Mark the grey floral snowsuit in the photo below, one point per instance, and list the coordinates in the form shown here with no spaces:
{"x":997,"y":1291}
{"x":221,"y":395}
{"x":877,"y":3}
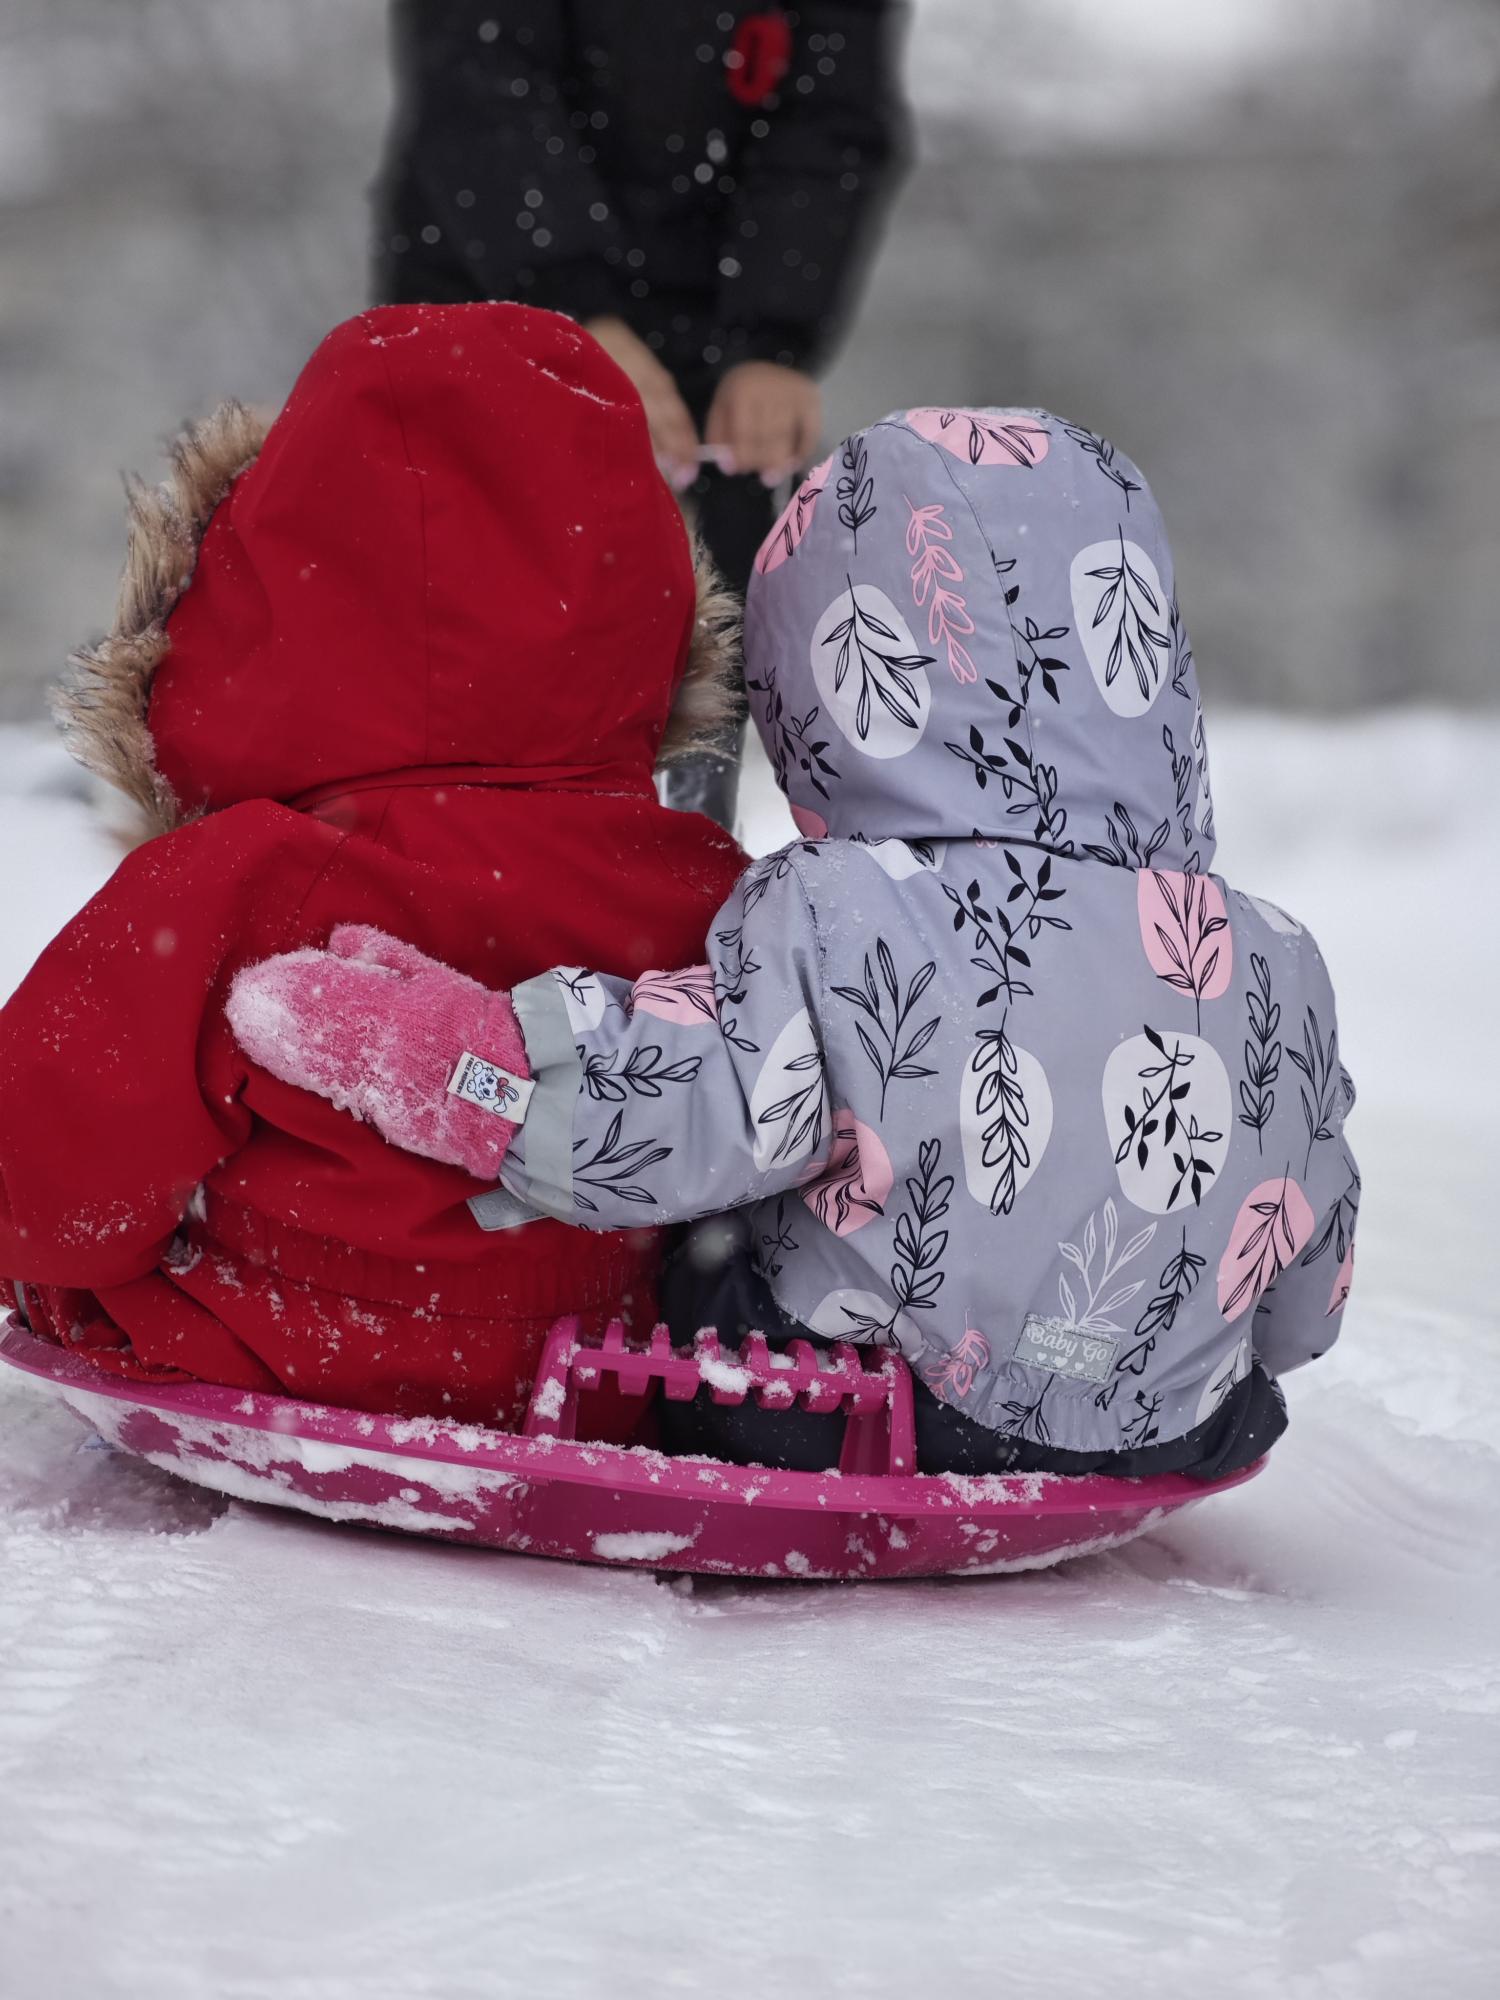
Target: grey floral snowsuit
{"x":1012,"y":1080}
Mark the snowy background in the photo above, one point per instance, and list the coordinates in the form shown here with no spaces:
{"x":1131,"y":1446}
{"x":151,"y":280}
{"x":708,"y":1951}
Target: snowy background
{"x":1257,"y":242}
{"x":1258,"y":1753}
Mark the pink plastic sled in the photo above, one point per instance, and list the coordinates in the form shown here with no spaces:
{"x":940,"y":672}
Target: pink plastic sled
{"x":547,"y":1491}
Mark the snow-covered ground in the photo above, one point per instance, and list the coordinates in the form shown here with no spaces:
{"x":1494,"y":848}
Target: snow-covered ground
{"x":245,"y":1754}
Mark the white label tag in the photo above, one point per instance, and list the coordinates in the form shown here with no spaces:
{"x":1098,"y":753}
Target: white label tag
{"x":479,"y":1081}
{"x":1065,"y":1349}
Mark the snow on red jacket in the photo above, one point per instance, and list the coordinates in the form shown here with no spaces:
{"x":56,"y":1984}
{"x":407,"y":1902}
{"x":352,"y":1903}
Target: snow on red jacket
{"x":437,"y":628}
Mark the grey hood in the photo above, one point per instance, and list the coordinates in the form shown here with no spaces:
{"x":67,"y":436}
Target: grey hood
{"x":981,"y":611}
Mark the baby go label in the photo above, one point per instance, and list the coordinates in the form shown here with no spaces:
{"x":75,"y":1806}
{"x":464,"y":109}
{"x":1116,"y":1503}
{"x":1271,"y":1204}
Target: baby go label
{"x":1066,"y":1350}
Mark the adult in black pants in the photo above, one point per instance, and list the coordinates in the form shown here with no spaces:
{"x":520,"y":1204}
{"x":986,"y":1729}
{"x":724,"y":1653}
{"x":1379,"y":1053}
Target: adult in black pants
{"x":695,"y":182}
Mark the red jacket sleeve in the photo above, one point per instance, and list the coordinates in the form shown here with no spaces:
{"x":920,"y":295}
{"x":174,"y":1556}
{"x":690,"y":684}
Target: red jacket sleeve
{"x":119,"y":1079}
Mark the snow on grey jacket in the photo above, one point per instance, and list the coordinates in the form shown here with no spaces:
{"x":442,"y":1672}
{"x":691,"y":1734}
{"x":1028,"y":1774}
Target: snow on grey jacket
{"x":1012,"y":1080}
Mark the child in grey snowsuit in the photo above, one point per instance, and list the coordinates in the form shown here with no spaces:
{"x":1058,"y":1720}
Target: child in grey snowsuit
{"x":989,"y":1065}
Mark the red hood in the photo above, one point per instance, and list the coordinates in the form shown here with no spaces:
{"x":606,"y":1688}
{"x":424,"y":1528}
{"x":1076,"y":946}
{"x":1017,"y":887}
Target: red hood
{"x":453,"y":548}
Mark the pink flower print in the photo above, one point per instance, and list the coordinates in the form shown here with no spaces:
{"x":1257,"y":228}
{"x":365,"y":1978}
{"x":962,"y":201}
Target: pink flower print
{"x":793,"y":521}
{"x":933,"y":571}
{"x":1273,"y":1224}
{"x":808,"y":823}
{"x":851,"y":1187}
{"x":984,"y":437}
{"x":1185,"y":930}
{"x":953,"y":1378}
{"x":684,"y":998}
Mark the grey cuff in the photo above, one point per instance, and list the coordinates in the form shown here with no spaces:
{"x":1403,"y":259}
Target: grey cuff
{"x":536,"y":1177}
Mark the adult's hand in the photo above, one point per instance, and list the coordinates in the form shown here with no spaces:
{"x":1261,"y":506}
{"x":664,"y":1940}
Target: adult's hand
{"x":767,"y":417}
{"x":673,"y":432}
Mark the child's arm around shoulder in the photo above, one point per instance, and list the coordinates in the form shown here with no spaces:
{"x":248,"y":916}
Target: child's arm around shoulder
{"x":681,"y":1092}
{"x":609,"y":1102}
{"x":118,"y":1081}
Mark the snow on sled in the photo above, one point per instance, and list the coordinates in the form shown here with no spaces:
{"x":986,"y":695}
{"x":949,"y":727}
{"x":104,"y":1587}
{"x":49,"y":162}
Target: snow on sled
{"x":551,"y":1490}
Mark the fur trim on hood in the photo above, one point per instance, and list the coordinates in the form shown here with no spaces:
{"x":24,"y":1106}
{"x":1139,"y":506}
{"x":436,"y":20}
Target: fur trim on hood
{"x":101,"y":707}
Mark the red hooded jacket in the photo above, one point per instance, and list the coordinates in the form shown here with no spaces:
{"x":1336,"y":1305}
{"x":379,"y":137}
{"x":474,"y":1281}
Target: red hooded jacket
{"x":418,"y":676}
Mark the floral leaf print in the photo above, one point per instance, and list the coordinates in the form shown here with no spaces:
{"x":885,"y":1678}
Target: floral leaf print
{"x":794,"y":741}
{"x":1319,"y":1064}
{"x":1028,"y":785}
{"x":1343,"y":1281}
{"x":916,"y":1275}
{"x":1182,"y":653}
{"x":891,"y":1040}
{"x":1005,"y":1119}
{"x":1119,"y":608}
{"x":788,"y":1105}
{"x":1125,"y":848}
{"x":953,"y":1377}
{"x":1273,"y":1224}
{"x":1001,"y":935}
{"x":1180,"y":1274}
{"x":984,"y":437}
{"x":793,"y":521}
{"x":760,"y":875}
{"x":1103,"y":454}
{"x":870,"y":673}
{"x":851,"y":1188}
{"x":642,"y":1075}
{"x":583,"y":997}
{"x":1032,"y":663}
{"x":1166,"y":1109}
{"x":1262,"y":1052}
{"x":776,"y":1244}
{"x":608,"y":1168}
{"x":1141,"y":1427}
{"x":1200,"y":759}
{"x":1021,"y":1419}
{"x":856,"y":489}
{"x":1338,"y":1230}
{"x":1337,"y":1233}
{"x":684,"y":998}
{"x":1183,"y":773}
{"x":1185,"y":931}
{"x":934,"y":570}
{"x":1089,"y":1305}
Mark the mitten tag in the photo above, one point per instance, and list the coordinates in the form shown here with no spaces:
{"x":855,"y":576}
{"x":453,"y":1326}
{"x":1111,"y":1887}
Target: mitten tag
{"x":479,"y":1081}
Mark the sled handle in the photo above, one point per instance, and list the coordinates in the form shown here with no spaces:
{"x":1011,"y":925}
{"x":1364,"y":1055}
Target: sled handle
{"x":876,"y":1399}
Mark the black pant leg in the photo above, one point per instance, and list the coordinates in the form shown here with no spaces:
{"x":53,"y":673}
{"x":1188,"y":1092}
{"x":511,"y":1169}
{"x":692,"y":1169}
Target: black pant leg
{"x":711,"y":1280}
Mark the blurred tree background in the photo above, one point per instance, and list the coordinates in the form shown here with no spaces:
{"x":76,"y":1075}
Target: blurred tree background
{"x":1255,"y":242}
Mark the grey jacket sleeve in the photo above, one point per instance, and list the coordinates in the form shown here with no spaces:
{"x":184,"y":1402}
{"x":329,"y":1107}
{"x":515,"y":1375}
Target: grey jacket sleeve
{"x":680,"y":1093}
{"x":1298,"y":1318}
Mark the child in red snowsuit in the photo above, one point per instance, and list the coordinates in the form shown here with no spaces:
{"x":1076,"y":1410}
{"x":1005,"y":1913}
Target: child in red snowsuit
{"x":408,"y":659}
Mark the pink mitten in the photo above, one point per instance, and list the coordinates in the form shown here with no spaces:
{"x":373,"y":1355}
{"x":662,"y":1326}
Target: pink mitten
{"x":432,"y":1059}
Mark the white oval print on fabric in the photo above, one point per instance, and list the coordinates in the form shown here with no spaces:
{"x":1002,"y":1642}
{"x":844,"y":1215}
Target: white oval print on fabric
{"x":1273,"y":914}
{"x":871,"y":673}
{"x":1122,"y":616}
{"x":788,"y":1106}
{"x":1167,"y":1112}
{"x":583,"y":996}
{"x":850,"y":1314}
{"x":902,"y":858}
